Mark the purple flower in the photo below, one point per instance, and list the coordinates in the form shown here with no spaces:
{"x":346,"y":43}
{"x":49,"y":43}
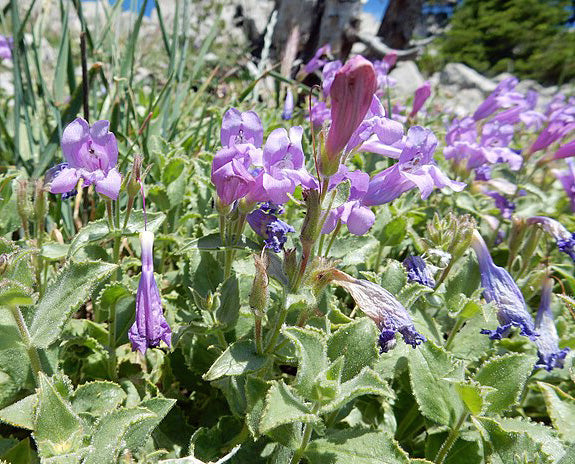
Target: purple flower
{"x":564,"y":151}
{"x":500,"y":288}
{"x":320,"y":113}
{"x":504,"y":205}
{"x":493,"y":102}
{"x":561,"y":123}
{"x":564,"y":239}
{"x":316,"y":62}
{"x":6,"y":44}
{"x":483,"y":173}
{"x":328,"y":75}
{"x":567,"y":179}
{"x":266,"y":224}
{"x":421,"y":95}
{"x":351,"y":97}
{"x":233,"y":170}
{"x":288,"y":105}
{"x":383,"y":308}
{"x":283,"y":167}
{"x":359,"y":218}
{"x":550,"y":355}
{"x":418,"y":271}
{"x":239,"y":128}
{"x":91,"y":153}
{"x":416,"y":168}
{"x":150,"y":326}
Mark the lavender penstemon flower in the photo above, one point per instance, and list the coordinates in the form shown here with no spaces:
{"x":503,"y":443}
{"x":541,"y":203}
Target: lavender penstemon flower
{"x":265,"y":223}
{"x":421,"y":95}
{"x":6,"y":44}
{"x":500,"y":288}
{"x":91,"y":153}
{"x":288,"y":106}
{"x":567,"y":179}
{"x":150,"y":326}
{"x":240,"y":128}
{"x":550,"y":356}
{"x":416,"y":168}
{"x":564,"y":239}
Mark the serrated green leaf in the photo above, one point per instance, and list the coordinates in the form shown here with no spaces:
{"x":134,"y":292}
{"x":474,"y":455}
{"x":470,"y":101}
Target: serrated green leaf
{"x":13,"y":293}
{"x":367,"y":382}
{"x":561,"y":409}
{"x":21,"y":413}
{"x":507,"y":375}
{"x":108,"y":440}
{"x":282,"y":407}
{"x":394,"y":232}
{"x":356,"y":342}
{"x":503,"y":447}
{"x":228,"y":312}
{"x":97,"y":397}
{"x":55,"y":251}
{"x":137,"y":435}
{"x":256,"y":392}
{"x":57,"y":428}
{"x":355,"y":446}
{"x":238,"y":359}
{"x":311,"y":349}
{"x":69,"y":289}
{"x":473,"y":395}
{"x":341,"y":193}
{"x":432,"y":372}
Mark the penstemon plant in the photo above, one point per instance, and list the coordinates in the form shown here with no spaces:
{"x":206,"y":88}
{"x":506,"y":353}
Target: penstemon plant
{"x":321,"y":286}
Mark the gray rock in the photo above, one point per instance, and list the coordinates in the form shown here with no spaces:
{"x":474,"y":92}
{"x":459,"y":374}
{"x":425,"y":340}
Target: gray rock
{"x":408,"y":78}
{"x":465,"y":78}
{"x":461,"y":102}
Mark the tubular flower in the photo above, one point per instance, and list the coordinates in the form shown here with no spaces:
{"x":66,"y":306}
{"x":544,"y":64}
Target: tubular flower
{"x":567,"y":179}
{"x":317,"y":62}
{"x":351,"y":95}
{"x":500,"y":288}
{"x":383,"y":308}
{"x":288,"y":105}
{"x":91,"y":153}
{"x":150,"y":326}
{"x":239,"y":128}
{"x":493,"y":102}
{"x":418,"y":271}
{"x":550,"y":355}
{"x":564,"y":239}
{"x":421,"y":95}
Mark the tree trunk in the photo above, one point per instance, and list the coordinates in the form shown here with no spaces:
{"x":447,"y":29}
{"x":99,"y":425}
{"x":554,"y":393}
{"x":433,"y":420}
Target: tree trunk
{"x":399,"y":21}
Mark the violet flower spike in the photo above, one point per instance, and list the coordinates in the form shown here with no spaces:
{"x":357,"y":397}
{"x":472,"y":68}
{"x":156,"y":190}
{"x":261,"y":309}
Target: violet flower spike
{"x":564,"y":239}
{"x":150,"y":326}
{"x":91,"y":154}
{"x":500,"y":288}
{"x":550,"y":356}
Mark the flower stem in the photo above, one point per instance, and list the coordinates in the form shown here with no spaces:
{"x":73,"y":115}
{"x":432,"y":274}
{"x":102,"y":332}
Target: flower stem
{"x":129,"y":207}
{"x":279,"y":322}
{"x":112,"y":340}
{"x":458,"y":323}
{"x":333,"y":237}
{"x":25,"y":335}
{"x":307,"y":430}
{"x":110,"y":214}
{"x":447,"y":444}
{"x":258,"y":334}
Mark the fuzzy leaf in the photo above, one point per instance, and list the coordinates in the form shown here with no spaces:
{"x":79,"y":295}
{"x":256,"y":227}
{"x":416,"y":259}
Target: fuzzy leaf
{"x":507,"y":375}
{"x":97,"y":397}
{"x":21,"y":413}
{"x":239,"y":358}
{"x":561,"y":409}
{"x":70,"y":288}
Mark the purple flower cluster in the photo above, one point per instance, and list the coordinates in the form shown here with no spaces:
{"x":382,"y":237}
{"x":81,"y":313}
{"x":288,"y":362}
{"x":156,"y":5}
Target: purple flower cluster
{"x":6,"y":44}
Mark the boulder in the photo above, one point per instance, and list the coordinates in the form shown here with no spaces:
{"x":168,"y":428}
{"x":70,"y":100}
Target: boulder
{"x":408,"y":78}
{"x":465,"y":78}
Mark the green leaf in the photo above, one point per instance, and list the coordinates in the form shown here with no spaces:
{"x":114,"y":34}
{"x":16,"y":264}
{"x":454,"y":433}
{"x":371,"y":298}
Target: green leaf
{"x":569,"y":457}
{"x":137,"y":435}
{"x":97,"y":397}
{"x":238,"y":359}
{"x":65,"y":293}
{"x":394,"y":232}
{"x":13,"y":293}
{"x":473,"y":395}
{"x":21,"y":413}
{"x":503,"y":447}
{"x":311,"y":349}
{"x":341,"y":194}
{"x":57,"y":428}
{"x":228,"y":312}
{"x":507,"y":375}
{"x":356,"y":446}
{"x":55,"y":251}
{"x":21,"y":453}
{"x":108,"y":440}
{"x":367,"y":382}
{"x":356,"y":342}
{"x":432,"y":372}
{"x":207,"y":444}
{"x":256,"y":391}
{"x":282,"y":406}
{"x":561,"y":409}
{"x":393,"y":277}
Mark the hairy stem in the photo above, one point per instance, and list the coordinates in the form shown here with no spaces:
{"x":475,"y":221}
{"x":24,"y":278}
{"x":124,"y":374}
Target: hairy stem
{"x":25,"y":335}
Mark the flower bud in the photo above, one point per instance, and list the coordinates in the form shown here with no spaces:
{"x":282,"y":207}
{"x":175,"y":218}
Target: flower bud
{"x":134,"y":183}
{"x":351,"y":95}
{"x":290,"y":264}
{"x":259,"y":295}
{"x":23,"y":204}
{"x":311,"y":226}
{"x":39,"y":202}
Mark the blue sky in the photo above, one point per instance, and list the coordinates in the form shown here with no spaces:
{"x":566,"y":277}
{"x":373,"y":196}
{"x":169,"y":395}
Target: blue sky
{"x":376,"y":7}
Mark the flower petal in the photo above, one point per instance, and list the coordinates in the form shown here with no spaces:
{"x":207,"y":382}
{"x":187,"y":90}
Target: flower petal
{"x":110,"y":185}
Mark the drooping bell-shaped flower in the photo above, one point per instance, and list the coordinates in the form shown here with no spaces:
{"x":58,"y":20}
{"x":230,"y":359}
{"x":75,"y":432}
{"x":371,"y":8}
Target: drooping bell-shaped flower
{"x":383,"y":308}
{"x":264,"y":221}
{"x":91,"y":154}
{"x":500,"y":289}
{"x":564,"y":239}
{"x":150,"y":326}
{"x":550,"y":355}
{"x":418,"y":271}
{"x":351,"y":95}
